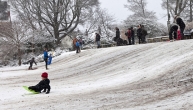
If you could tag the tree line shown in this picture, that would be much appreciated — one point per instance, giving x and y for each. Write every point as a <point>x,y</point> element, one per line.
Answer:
<point>52,20</point>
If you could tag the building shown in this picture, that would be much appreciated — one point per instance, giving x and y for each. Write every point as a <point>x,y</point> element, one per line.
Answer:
<point>4,11</point>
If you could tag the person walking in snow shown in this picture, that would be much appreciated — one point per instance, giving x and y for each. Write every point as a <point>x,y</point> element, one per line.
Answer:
<point>97,40</point>
<point>182,25</point>
<point>173,32</point>
<point>31,63</point>
<point>46,58</point>
<point>44,84</point>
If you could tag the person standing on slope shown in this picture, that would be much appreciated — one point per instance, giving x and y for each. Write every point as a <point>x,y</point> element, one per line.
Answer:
<point>97,40</point>
<point>143,33</point>
<point>77,47</point>
<point>173,32</point>
<point>139,33</point>
<point>117,38</point>
<point>182,25</point>
<point>129,36</point>
<point>74,43</point>
<point>46,58</point>
<point>132,35</point>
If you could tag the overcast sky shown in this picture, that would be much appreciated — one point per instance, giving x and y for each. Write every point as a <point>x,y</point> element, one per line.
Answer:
<point>116,8</point>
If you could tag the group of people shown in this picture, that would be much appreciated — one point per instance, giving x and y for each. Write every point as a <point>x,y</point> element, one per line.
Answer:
<point>47,59</point>
<point>130,33</point>
<point>77,44</point>
<point>176,29</point>
<point>44,84</point>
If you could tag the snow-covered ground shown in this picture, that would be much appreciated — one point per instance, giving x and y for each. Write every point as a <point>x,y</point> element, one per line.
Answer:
<point>154,76</point>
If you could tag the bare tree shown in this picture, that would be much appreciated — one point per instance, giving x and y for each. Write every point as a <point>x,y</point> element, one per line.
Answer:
<point>187,13</point>
<point>176,7</point>
<point>106,21</point>
<point>57,18</point>
<point>143,16</point>
<point>101,21</point>
<point>13,36</point>
<point>139,8</point>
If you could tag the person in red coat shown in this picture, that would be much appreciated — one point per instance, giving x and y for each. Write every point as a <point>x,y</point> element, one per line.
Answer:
<point>179,34</point>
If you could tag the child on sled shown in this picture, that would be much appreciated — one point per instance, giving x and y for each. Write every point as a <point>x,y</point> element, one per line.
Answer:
<point>44,84</point>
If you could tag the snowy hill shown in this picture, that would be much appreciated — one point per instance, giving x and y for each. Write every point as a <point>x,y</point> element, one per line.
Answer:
<point>153,76</point>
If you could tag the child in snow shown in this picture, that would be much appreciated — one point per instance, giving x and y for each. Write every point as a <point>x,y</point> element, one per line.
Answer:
<point>31,63</point>
<point>44,84</point>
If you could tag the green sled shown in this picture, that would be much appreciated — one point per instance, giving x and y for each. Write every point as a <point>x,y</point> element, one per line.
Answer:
<point>32,91</point>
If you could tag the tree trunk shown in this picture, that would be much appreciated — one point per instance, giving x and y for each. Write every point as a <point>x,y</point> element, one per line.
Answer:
<point>19,56</point>
<point>191,10</point>
<point>176,8</point>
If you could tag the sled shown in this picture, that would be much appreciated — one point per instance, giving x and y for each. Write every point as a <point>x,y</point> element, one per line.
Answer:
<point>31,91</point>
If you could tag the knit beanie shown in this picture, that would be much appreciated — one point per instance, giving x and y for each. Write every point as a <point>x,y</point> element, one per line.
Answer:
<point>44,75</point>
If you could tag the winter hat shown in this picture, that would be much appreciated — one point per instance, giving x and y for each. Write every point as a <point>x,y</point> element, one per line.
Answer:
<point>44,75</point>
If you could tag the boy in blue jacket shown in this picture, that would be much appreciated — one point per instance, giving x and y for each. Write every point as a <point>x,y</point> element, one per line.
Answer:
<point>46,57</point>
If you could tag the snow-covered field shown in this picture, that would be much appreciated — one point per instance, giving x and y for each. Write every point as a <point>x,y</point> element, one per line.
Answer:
<point>154,76</point>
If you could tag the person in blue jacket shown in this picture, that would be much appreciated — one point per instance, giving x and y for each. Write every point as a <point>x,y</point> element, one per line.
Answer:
<point>77,46</point>
<point>46,58</point>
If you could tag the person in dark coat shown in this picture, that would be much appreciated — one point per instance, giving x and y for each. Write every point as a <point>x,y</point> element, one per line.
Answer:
<point>97,40</point>
<point>139,34</point>
<point>117,38</point>
<point>132,36</point>
<point>46,58</point>
<point>173,31</point>
<point>44,84</point>
<point>143,34</point>
<point>182,25</point>
<point>31,63</point>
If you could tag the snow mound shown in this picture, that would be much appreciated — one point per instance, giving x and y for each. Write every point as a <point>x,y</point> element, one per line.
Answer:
<point>152,76</point>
